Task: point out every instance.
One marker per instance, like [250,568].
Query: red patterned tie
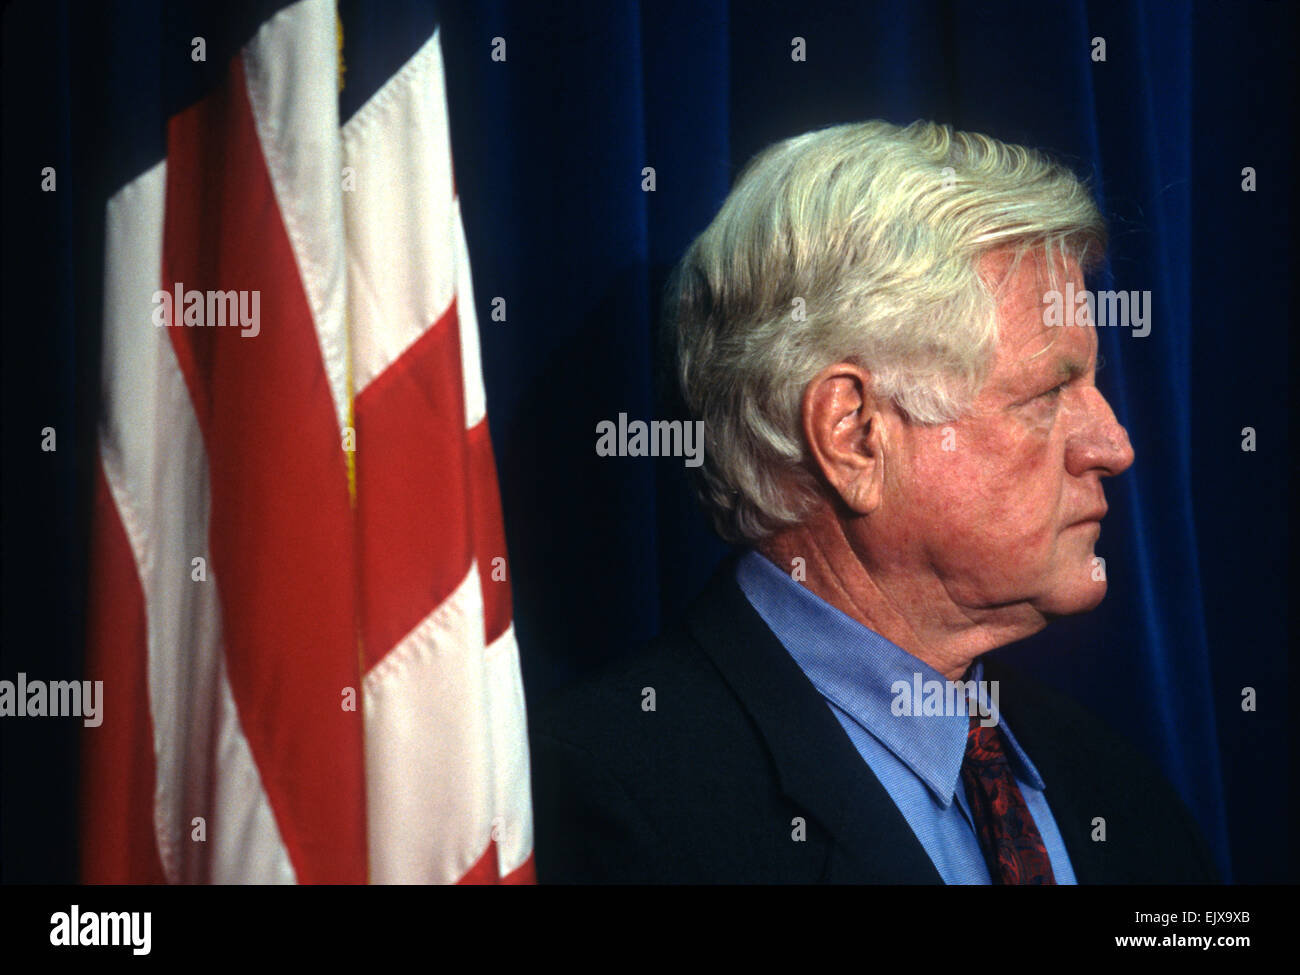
[1013,847]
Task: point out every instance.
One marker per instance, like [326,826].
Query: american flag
[300,603]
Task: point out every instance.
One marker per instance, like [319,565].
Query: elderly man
[913,459]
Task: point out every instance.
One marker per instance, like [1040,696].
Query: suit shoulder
[651,770]
[669,678]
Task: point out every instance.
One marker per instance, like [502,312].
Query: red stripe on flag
[118,842]
[281,528]
[413,504]
[489,532]
[485,870]
[525,873]
[488,871]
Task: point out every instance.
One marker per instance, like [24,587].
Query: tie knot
[1012,846]
[984,745]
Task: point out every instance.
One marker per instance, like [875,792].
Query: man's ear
[845,434]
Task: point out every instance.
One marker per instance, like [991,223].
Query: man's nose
[1099,442]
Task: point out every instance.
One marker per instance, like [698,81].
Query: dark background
[549,150]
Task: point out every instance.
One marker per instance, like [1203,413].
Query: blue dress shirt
[917,759]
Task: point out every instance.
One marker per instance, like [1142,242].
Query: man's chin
[1078,599]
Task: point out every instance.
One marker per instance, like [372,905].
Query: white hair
[853,243]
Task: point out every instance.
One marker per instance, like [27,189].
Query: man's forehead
[1028,341]
[1020,284]
[1027,345]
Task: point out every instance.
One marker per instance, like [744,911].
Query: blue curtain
[550,147]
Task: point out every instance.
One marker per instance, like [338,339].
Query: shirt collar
[858,671]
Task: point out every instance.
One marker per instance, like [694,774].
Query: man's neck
[910,609]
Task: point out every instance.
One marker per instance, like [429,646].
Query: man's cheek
[1023,435]
[1023,538]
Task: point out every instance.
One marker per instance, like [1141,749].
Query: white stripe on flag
[429,747]
[510,768]
[471,366]
[401,217]
[291,66]
[157,471]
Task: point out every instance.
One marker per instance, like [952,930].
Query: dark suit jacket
[710,785]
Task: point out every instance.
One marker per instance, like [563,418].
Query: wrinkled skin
[950,553]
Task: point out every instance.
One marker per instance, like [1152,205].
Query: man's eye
[1054,392]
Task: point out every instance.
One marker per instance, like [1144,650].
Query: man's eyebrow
[1067,368]
[1071,368]
[1069,364]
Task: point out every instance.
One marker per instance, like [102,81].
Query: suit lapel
[817,765]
